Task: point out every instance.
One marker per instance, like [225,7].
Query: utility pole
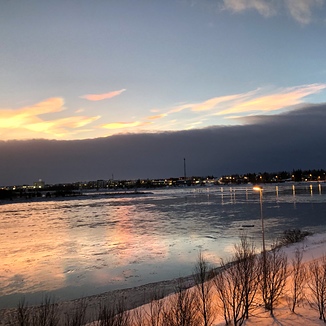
[184,170]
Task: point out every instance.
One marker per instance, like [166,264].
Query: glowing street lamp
[260,189]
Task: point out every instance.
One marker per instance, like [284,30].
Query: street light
[260,189]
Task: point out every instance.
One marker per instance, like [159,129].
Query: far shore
[74,195]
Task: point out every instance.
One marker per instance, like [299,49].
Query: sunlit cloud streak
[213,102]
[79,111]
[20,117]
[223,110]
[123,125]
[70,122]
[156,117]
[100,97]
[249,102]
[29,115]
[274,102]
[27,121]
[300,10]
[31,122]
[210,104]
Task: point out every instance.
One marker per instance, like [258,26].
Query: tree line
[274,177]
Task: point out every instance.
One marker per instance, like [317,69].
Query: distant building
[39,184]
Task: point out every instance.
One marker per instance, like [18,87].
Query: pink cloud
[100,97]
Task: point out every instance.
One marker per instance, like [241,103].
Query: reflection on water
[84,246]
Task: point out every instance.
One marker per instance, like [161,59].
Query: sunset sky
[92,89]
[86,69]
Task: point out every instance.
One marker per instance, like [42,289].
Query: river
[86,245]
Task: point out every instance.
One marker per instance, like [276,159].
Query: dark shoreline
[132,297]
[85,195]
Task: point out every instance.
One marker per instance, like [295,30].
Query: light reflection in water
[27,258]
[104,243]
[294,198]
[222,196]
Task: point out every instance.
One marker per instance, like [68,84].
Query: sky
[88,72]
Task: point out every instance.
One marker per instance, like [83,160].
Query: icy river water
[95,243]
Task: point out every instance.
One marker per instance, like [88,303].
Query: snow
[313,247]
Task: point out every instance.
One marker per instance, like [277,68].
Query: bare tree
[21,315]
[230,293]
[274,272]
[203,287]
[114,315]
[106,315]
[47,314]
[237,283]
[180,309]
[298,279]
[156,309]
[77,315]
[317,285]
[122,317]
[138,317]
[246,258]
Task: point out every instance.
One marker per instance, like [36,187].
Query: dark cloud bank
[288,141]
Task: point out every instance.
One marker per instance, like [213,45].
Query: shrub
[293,236]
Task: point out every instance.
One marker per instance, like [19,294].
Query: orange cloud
[26,122]
[30,122]
[156,117]
[286,98]
[59,124]
[100,97]
[211,111]
[212,103]
[29,115]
